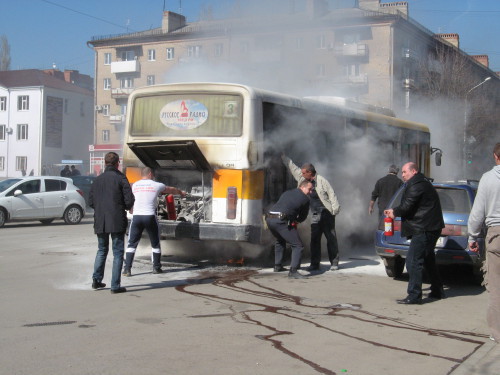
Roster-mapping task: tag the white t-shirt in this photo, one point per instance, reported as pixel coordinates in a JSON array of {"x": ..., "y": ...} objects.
[{"x": 146, "y": 193}]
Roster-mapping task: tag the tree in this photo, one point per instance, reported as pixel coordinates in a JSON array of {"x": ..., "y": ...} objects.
[{"x": 4, "y": 53}]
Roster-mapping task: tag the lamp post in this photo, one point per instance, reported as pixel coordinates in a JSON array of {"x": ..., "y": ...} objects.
[{"x": 464, "y": 153}]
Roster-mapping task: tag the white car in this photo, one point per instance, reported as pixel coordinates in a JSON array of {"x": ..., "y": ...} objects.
[{"x": 43, "y": 198}]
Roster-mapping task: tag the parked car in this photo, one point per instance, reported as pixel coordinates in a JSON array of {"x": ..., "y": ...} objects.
[
  {"x": 452, "y": 247},
  {"x": 84, "y": 183},
  {"x": 43, "y": 198}
]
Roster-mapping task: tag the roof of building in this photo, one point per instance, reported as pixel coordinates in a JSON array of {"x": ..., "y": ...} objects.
[{"x": 35, "y": 77}]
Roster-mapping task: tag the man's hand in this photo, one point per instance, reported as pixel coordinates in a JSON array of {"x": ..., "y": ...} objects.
[
  {"x": 389, "y": 213},
  {"x": 473, "y": 246}
]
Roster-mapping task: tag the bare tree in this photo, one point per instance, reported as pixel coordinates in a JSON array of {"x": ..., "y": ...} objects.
[{"x": 4, "y": 53}]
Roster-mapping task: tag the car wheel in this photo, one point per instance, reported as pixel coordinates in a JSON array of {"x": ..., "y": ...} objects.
[
  {"x": 73, "y": 215},
  {"x": 394, "y": 266},
  {"x": 46, "y": 221},
  {"x": 3, "y": 217}
]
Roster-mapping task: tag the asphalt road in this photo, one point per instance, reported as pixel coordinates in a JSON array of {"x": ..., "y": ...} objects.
[{"x": 203, "y": 318}]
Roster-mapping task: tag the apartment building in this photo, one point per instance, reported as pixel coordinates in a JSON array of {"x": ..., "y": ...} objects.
[
  {"x": 371, "y": 53},
  {"x": 45, "y": 122}
]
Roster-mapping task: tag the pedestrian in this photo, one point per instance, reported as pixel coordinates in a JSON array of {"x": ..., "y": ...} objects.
[
  {"x": 324, "y": 208},
  {"x": 422, "y": 221},
  {"x": 385, "y": 189},
  {"x": 146, "y": 192},
  {"x": 65, "y": 172},
  {"x": 74, "y": 171},
  {"x": 486, "y": 209},
  {"x": 292, "y": 208},
  {"x": 110, "y": 196}
]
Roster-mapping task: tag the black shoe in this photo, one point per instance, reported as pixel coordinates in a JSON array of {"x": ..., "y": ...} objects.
[
  {"x": 313, "y": 267},
  {"x": 409, "y": 301},
  {"x": 294, "y": 274},
  {"x": 119, "y": 290},
  {"x": 279, "y": 268},
  {"x": 157, "y": 270},
  {"x": 127, "y": 272},
  {"x": 437, "y": 294},
  {"x": 97, "y": 284}
]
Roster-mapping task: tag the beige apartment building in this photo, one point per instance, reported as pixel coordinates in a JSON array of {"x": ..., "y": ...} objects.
[{"x": 373, "y": 53}]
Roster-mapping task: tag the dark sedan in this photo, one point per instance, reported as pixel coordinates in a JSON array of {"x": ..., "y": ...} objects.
[{"x": 83, "y": 183}]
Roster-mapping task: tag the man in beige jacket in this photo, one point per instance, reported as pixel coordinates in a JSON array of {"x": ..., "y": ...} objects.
[{"x": 324, "y": 207}]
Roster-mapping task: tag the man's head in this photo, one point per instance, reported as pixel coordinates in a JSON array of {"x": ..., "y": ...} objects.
[
  {"x": 306, "y": 187},
  {"x": 393, "y": 169},
  {"x": 111, "y": 159},
  {"x": 147, "y": 172},
  {"x": 408, "y": 171},
  {"x": 308, "y": 171},
  {"x": 496, "y": 153}
]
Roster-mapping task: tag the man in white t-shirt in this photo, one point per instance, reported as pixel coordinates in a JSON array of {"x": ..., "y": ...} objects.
[{"x": 146, "y": 193}]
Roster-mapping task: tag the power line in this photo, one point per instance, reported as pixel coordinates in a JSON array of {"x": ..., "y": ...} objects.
[{"x": 87, "y": 15}]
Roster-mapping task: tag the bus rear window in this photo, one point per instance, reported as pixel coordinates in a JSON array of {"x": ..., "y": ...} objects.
[{"x": 187, "y": 115}]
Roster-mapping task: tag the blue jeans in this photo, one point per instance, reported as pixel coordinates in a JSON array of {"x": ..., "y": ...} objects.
[
  {"x": 118, "y": 240},
  {"x": 421, "y": 254}
]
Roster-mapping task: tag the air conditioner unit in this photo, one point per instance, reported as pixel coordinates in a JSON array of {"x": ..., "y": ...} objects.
[
  {"x": 98, "y": 108},
  {"x": 9, "y": 130}
]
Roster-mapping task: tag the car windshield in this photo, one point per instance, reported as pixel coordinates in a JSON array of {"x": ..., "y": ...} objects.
[{"x": 5, "y": 184}]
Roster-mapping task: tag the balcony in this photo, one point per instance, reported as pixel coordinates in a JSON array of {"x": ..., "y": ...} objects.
[
  {"x": 121, "y": 93},
  {"x": 351, "y": 50},
  {"x": 116, "y": 119},
  {"x": 131, "y": 66}
]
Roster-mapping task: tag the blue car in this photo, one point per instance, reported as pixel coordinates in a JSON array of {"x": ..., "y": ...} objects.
[{"x": 452, "y": 247}]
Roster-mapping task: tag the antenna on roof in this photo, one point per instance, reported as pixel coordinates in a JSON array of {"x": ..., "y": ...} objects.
[{"x": 180, "y": 6}]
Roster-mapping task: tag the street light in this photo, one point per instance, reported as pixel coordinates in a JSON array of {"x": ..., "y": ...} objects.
[{"x": 464, "y": 153}]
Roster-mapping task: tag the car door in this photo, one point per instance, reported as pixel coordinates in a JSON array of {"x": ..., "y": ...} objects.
[
  {"x": 30, "y": 203},
  {"x": 55, "y": 197}
]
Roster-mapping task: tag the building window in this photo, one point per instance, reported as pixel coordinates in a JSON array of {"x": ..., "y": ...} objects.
[
  {"x": 320, "y": 42},
  {"x": 151, "y": 54},
  {"x": 127, "y": 83},
  {"x": 3, "y": 103},
  {"x": 22, "y": 132},
  {"x": 320, "y": 70},
  {"x": 105, "y": 109},
  {"x": 21, "y": 163},
  {"x": 82, "y": 109},
  {"x": 299, "y": 43},
  {"x": 123, "y": 109},
  {"x": 2, "y": 163},
  {"x": 105, "y": 136},
  {"x": 107, "y": 58},
  {"x": 170, "y": 53},
  {"x": 2, "y": 132},
  {"x": 219, "y": 48},
  {"x": 66, "y": 106},
  {"x": 23, "y": 103},
  {"x": 150, "y": 80},
  {"x": 351, "y": 70},
  {"x": 128, "y": 55},
  {"x": 194, "y": 51},
  {"x": 107, "y": 83}
]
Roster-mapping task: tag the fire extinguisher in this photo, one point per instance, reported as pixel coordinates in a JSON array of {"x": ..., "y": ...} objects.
[
  {"x": 170, "y": 203},
  {"x": 388, "y": 226}
]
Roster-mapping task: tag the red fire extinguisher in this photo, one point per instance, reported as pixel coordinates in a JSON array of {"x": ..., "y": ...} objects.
[
  {"x": 388, "y": 226},
  {"x": 170, "y": 203}
]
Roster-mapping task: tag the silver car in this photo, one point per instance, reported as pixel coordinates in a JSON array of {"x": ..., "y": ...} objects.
[{"x": 43, "y": 198}]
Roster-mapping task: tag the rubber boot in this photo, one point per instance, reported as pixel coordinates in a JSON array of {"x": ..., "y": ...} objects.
[
  {"x": 127, "y": 267},
  {"x": 157, "y": 263}
]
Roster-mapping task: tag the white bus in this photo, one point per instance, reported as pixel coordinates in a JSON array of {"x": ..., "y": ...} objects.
[{"x": 223, "y": 143}]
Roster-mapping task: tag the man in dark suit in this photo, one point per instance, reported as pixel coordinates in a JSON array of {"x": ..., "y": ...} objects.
[{"x": 110, "y": 196}]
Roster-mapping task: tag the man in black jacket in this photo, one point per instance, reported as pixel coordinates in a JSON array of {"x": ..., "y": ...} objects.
[
  {"x": 385, "y": 189},
  {"x": 422, "y": 221},
  {"x": 291, "y": 208},
  {"x": 110, "y": 195}
]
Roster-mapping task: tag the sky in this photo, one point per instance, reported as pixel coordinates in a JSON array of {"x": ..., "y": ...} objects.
[{"x": 46, "y": 32}]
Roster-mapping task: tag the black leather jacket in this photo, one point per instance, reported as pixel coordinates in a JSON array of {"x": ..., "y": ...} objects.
[{"x": 420, "y": 209}]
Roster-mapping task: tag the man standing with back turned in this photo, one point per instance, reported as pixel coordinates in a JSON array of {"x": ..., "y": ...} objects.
[
  {"x": 146, "y": 192},
  {"x": 110, "y": 195},
  {"x": 385, "y": 189},
  {"x": 486, "y": 209},
  {"x": 422, "y": 221}
]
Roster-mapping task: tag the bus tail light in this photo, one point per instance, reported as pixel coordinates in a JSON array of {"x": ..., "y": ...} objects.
[{"x": 231, "y": 202}]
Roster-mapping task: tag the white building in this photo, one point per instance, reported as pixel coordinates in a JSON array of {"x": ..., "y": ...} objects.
[{"x": 45, "y": 122}]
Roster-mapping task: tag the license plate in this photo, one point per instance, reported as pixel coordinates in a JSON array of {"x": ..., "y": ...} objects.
[{"x": 440, "y": 242}]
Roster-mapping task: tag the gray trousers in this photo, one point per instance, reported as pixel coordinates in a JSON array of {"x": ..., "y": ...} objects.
[{"x": 492, "y": 280}]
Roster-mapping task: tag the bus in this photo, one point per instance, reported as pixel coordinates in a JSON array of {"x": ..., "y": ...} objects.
[{"x": 223, "y": 144}]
